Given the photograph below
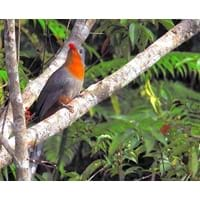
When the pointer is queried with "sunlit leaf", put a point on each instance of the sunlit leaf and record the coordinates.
(73, 176)
(167, 23)
(133, 34)
(58, 29)
(193, 161)
(115, 104)
(149, 142)
(42, 23)
(92, 168)
(118, 140)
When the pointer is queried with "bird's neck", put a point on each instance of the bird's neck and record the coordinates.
(76, 68)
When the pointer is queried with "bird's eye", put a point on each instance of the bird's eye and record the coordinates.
(81, 51)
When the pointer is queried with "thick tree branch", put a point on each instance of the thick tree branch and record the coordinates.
(103, 89)
(79, 34)
(21, 146)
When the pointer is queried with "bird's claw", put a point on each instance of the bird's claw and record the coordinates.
(80, 95)
(70, 108)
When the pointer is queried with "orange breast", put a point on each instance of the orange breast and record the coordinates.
(74, 64)
(76, 68)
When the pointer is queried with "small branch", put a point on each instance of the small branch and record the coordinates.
(145, 177)
(105, 88)
(7, 146)
(21, 147)
(3, 140)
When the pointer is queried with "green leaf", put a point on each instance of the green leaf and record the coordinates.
(118, 140)
(73, 176)
(149, 34)
(198, 64)
(92, 51)
(131, 155)
(158, 136)
(4, 75)
(115, 104)
(42, 23)
(46, 176)
(154, 100)
(124, 22)
(178, 63)
(149, 142)
(195, 131)
(92, 168)
(13, 170)
(58, 29)
(193, 161)
(133, 34)
(165, 165)
(167, 23)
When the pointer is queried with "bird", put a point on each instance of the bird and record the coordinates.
(63, 85)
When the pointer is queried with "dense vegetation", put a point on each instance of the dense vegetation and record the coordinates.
(149, 130)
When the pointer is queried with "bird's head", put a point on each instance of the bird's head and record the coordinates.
(76, 53)
(75, 62)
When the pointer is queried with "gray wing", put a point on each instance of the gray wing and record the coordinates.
(51, 92)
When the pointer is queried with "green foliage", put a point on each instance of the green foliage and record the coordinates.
(104, 68)
(167, 23)
(193, 161)
(118, 142)
(51, 148)
(58, 29)
(23, 75)
(140, 35)
(177, 64)
(128, 34)
(182, 64)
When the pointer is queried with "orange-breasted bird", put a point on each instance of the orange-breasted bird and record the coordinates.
(62, 86)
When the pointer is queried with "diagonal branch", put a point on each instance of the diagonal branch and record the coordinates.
(79, 34)
(21, 146)
(105, 88)
(4, 142)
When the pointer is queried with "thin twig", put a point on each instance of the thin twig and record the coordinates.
(144, 177)
(18, 40)
(4, 141)
(100, 170)
(21, 149)
(44, 46)
(68, 23)
(4, 85)
(4, 118)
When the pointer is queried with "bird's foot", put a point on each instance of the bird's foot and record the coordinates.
(28, 115)
(70, 108)
(80, 95)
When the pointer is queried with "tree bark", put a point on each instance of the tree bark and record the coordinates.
(15, 97)
(105, 88)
